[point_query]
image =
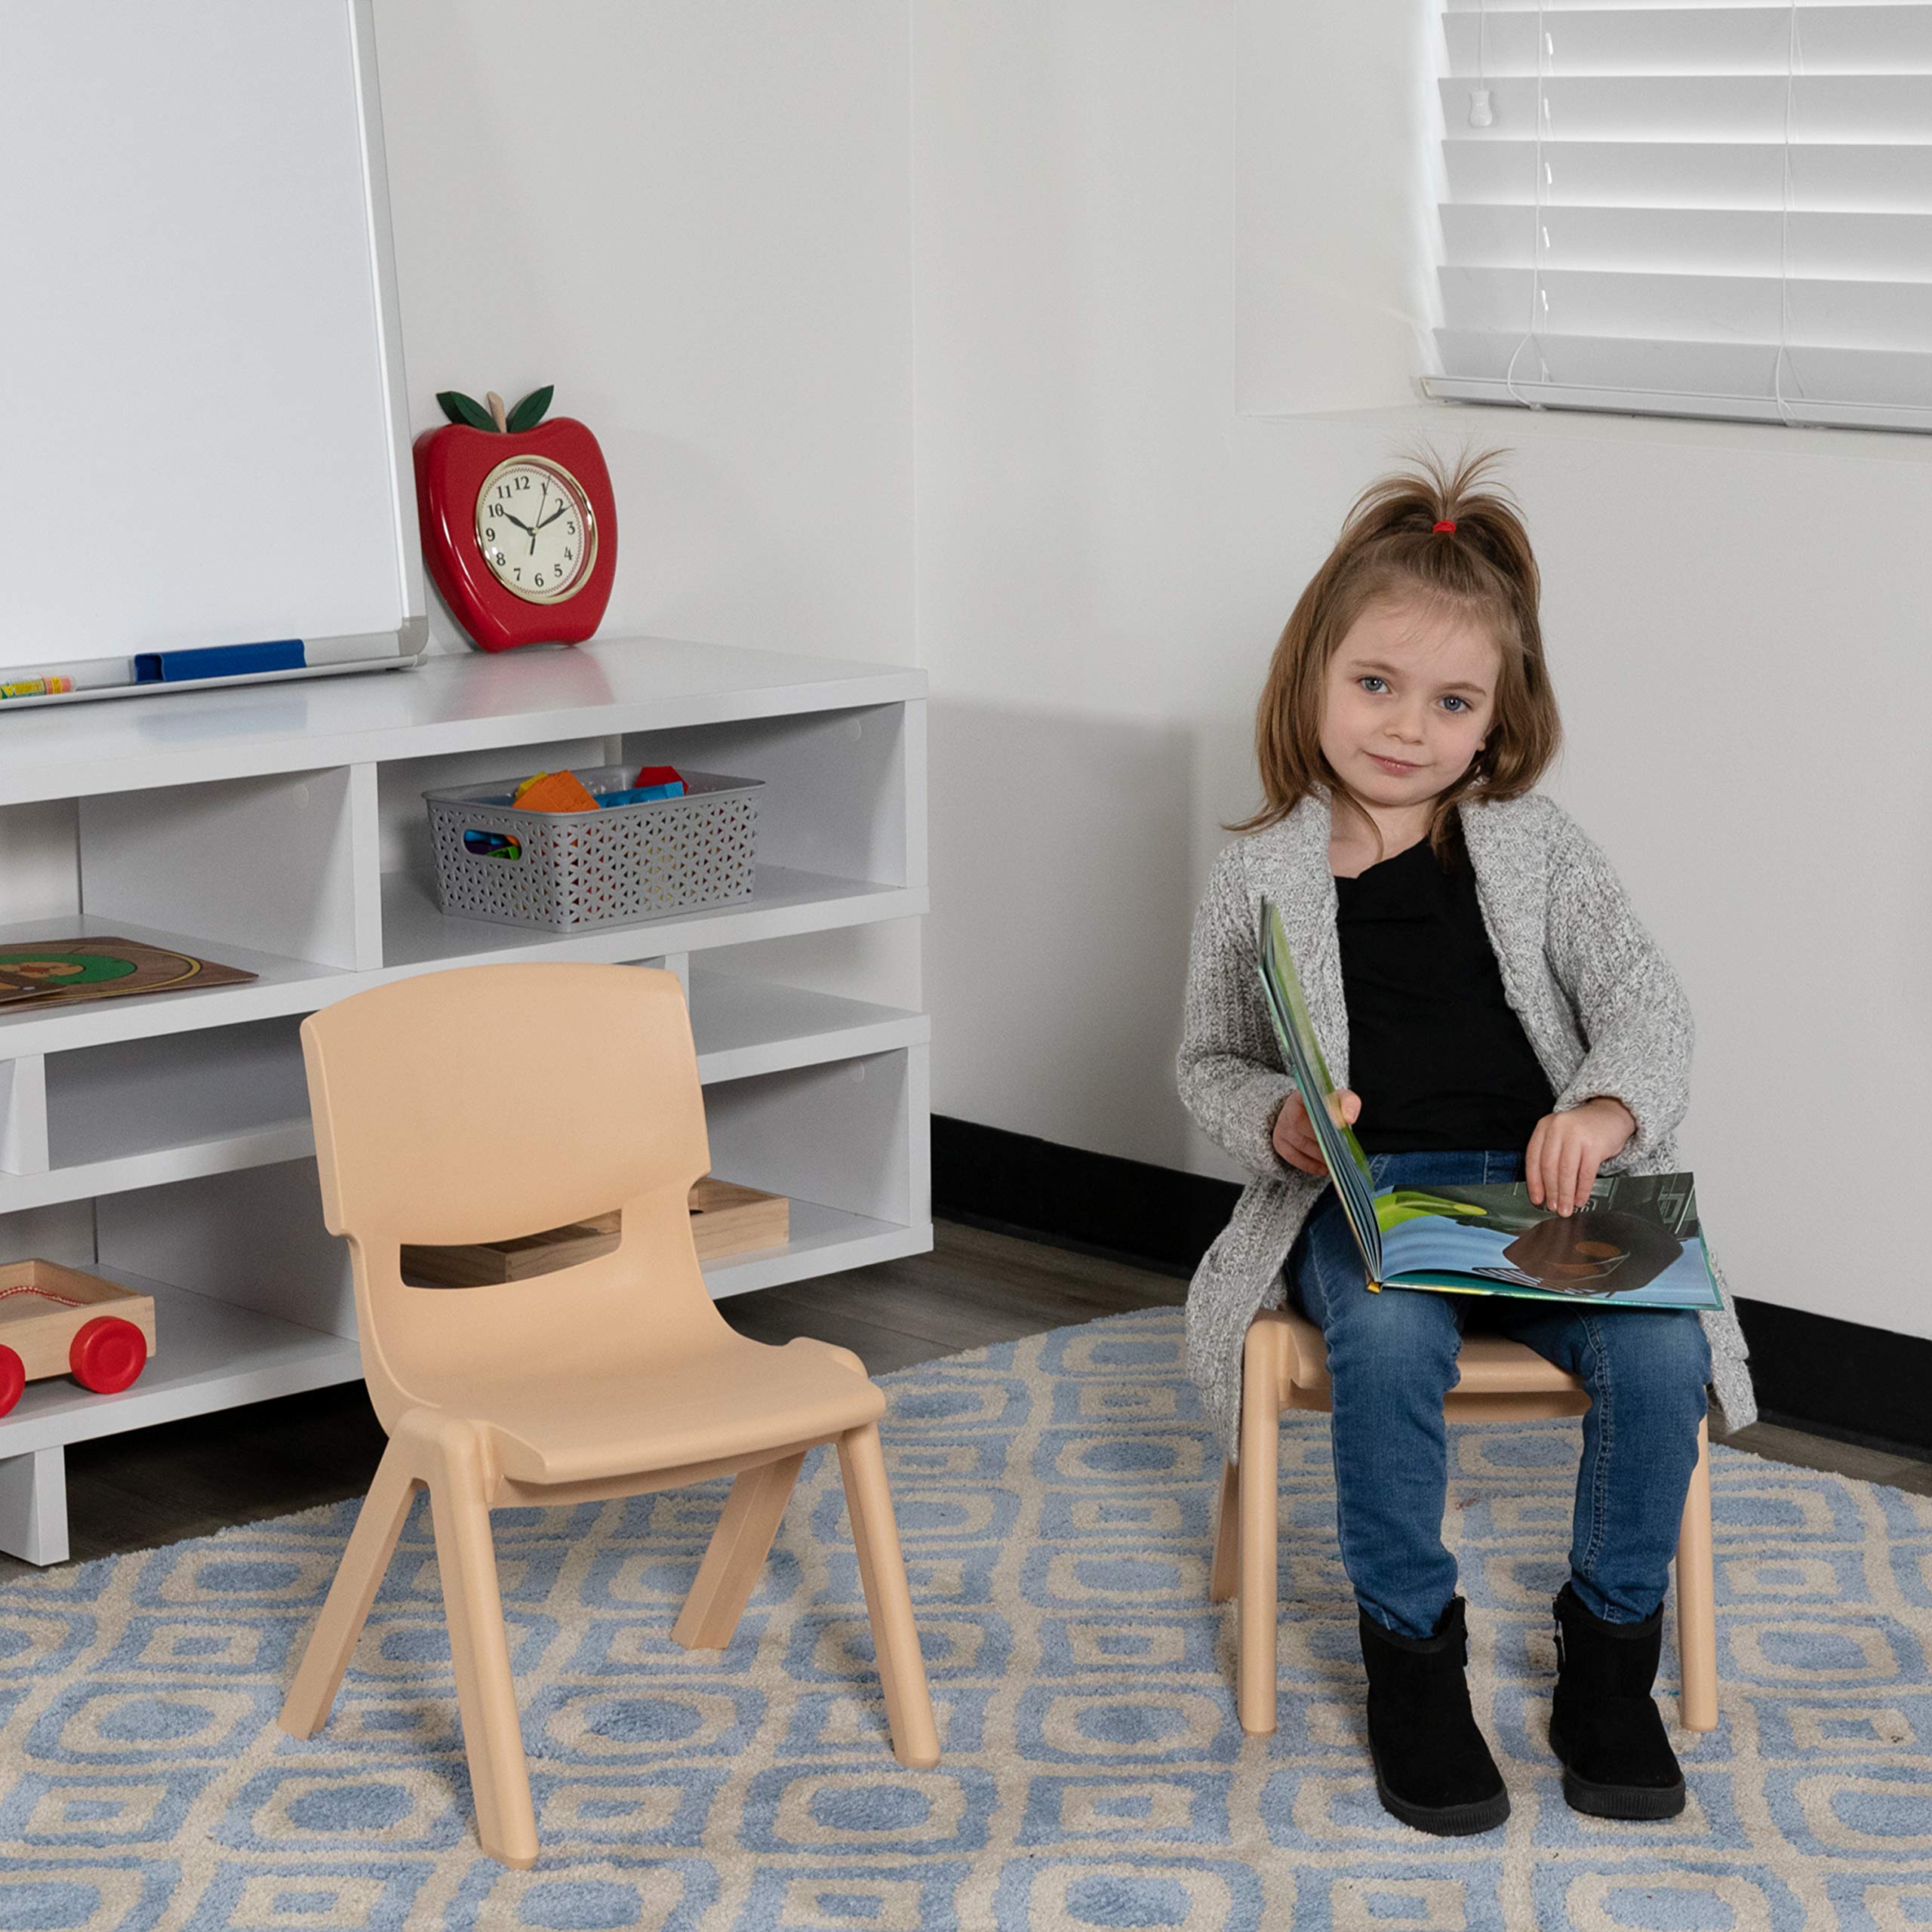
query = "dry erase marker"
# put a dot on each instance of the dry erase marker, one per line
(88, 674)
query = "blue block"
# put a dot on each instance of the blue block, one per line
(640, 794)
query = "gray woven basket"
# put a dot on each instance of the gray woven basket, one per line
(604, 868)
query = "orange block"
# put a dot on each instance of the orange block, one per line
(558, 791)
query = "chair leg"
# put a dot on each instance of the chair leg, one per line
(1223, 1572)
(739, 1546)
(1260, 1450)
(479, 1647)
(364, 1562)
(1696, 1599)
(902, 1670)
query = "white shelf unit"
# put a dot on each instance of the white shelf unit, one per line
(281, 829)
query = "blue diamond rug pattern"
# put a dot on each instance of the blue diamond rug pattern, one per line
(1054, 1496)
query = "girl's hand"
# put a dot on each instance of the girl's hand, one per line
(1567, 1149)
(1294, 1138)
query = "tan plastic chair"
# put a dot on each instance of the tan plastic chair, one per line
(1285, 1365)
(469, 1105)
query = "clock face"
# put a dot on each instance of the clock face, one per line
(535, 530)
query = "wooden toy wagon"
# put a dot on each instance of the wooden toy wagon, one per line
(56, 1320)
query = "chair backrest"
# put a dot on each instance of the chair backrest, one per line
(495, 1101)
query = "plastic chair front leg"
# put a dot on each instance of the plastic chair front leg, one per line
(902, 1670)
(479, 1647)
(1261, 1449)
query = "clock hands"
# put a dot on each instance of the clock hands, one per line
(542, 522)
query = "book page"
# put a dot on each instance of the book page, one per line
(1348, 1165)
(1637, 1242)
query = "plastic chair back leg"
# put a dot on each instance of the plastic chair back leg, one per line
(364, 1562)
(1696, 1599)
(736, 1555)
(1223, 1572)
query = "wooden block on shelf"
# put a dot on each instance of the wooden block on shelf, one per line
(726, 1218)
(480, 1263)
(44, 1305)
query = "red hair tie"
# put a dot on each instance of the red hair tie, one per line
(1445, 524)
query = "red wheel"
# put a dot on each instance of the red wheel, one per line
(13, 1378)
(108, 1355)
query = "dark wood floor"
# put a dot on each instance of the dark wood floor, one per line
(191, 1478)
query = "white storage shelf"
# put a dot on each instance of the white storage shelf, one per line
(281, 829)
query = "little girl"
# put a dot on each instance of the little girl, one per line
(1479, 983)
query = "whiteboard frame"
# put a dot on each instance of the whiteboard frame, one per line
(401, 649)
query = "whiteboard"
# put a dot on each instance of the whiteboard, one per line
(201, 367)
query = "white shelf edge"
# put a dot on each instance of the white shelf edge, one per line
(233, 1355)
(445, 705)
(883, 1030)
(194, 1160)
(284, 985)
(786, 900)
(297, 986)
(780, 1026)
(815, 1050)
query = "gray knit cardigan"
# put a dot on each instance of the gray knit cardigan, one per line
(1602, 1008)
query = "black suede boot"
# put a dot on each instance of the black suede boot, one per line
(1603, 1723)
(1432, 1769)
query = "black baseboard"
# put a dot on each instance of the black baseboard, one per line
(1812, 1371)
(1099, 1203)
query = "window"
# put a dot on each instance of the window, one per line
(1705, 210)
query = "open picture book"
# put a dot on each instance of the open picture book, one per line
(1635, 1243)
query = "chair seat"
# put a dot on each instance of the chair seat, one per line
(733, 1399)
(1490, 1365)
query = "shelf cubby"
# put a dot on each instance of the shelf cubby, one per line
(277, 863)
(215, 1356)
(176, 1106)
(842, 1152)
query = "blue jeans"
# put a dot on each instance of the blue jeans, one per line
(1392, 1359)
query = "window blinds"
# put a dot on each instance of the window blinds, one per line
(1704, 210)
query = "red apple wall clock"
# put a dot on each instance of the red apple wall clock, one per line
(519, 526)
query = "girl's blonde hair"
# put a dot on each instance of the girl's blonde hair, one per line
(1390, 550)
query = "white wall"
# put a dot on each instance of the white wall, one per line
(1107, 549)
(693, 220)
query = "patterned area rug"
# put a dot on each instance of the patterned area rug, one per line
(1054, 1496)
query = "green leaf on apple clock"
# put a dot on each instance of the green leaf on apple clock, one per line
(529, 412)
(460, 408)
